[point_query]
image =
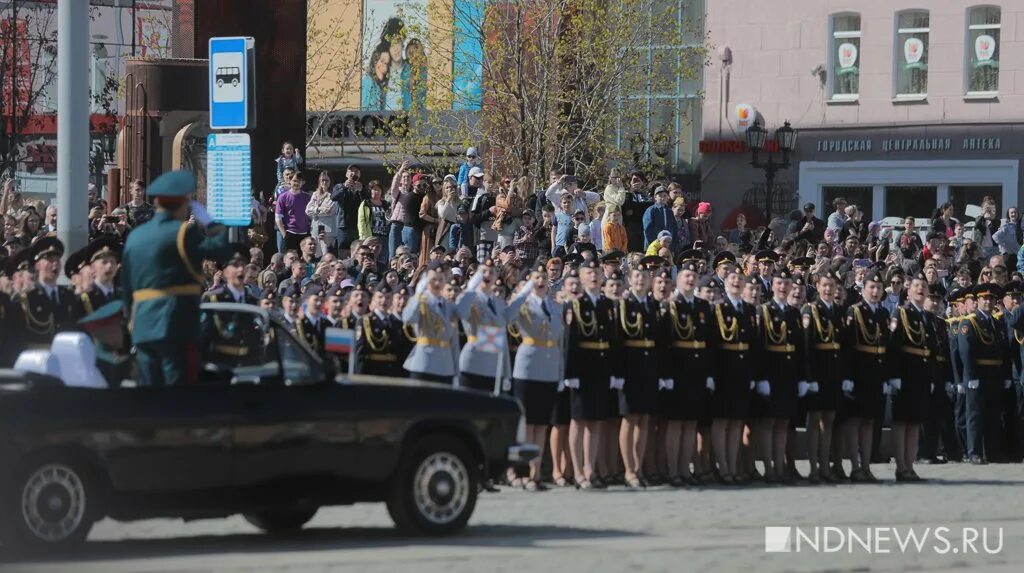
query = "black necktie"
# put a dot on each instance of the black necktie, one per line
(490, 305)
(53, 296)
(544, 307)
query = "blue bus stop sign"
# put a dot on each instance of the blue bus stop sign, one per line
(232, 83)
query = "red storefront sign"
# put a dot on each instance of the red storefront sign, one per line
(733, 146)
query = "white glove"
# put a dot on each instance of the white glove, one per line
(932, 388)
(752, 384)
(421, 286)
(973, 384)
(847, 385)
(896, 384)
(1007, 384)
(960, 389)
(506, 385)
(801, 388)
(949, 387)
(710, 384)
(813, 387)
(527, 287)
(561, 386)
(199, 212)
(617, 383)
(666, 383)
(763, 388)
(572, 383)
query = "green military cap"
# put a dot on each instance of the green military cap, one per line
(178, 183)
(111, 312)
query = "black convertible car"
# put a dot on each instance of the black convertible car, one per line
(273, 434)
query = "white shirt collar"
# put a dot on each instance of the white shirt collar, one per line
(237, 294)
(315, 320)
(104, 288)
(735, 302)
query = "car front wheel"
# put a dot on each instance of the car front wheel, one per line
(434, 491)
(51, 506)
(281, 521)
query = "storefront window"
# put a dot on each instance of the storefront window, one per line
(912, 53)
(862, 197)
(910, 201)
(844, 59)
(967, 200)
(983, 49)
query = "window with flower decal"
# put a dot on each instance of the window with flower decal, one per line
(844, 56)
(912, 53)
(983, 24)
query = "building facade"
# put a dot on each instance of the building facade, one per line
(898, 106)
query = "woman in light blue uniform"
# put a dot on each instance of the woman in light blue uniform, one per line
(436, 353)
(483, 313)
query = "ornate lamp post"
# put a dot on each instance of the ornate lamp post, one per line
(785, 136)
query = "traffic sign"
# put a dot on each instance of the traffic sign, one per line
(229, 178)
(232, 83)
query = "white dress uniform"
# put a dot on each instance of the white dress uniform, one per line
(436, 352)
(479, 359)
(540, 361)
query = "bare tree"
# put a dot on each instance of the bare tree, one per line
(332, 60)
(576, 84)
(28, 68)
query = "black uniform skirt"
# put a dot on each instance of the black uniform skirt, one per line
(538, 399)
(733, 400)
(686, 402)
(476, 382)
(591, 402)
(868, 400)
(639, 395)
(911, 402)
(561, 412)
(826, 399)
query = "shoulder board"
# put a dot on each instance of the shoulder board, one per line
(997, 315)
(968, 316)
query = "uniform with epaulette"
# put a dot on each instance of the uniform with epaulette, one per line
(780, 357)
(1015, 395)
(965, 297)
(539, 364)
(590, 322)
(939, 424)
(162, 281)
(823, 331)
(984, 354)
(687, 361)
(484, 320)
(865, 360)
(311, 325)
(377, 335)
(38, 314)
(98, 293)
(913, 346)
(232, 339)
(735, 341)
(435, 355)
(641, 340)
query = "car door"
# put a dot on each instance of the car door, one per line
(296, 430)
(168, 439)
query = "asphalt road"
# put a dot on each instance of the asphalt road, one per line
(660, 529)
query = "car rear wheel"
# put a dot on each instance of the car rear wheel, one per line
(51, 506)
(280, 521)
(434, 491)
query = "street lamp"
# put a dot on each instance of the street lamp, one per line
(785, 136)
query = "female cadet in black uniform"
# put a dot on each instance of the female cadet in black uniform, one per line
(867, 368)
(911, 353)
(823, 328)
(637, 366)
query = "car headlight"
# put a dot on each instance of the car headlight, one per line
(521, 430)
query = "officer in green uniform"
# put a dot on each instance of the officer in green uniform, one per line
(162, 280)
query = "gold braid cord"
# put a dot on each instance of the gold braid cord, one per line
(825, 335)
(729, 333)
(773, 336)
(869, 339)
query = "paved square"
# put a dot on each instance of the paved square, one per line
(659, 529)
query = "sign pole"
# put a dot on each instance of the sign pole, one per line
(72, 123)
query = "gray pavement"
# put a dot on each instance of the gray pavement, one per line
(660, 529)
